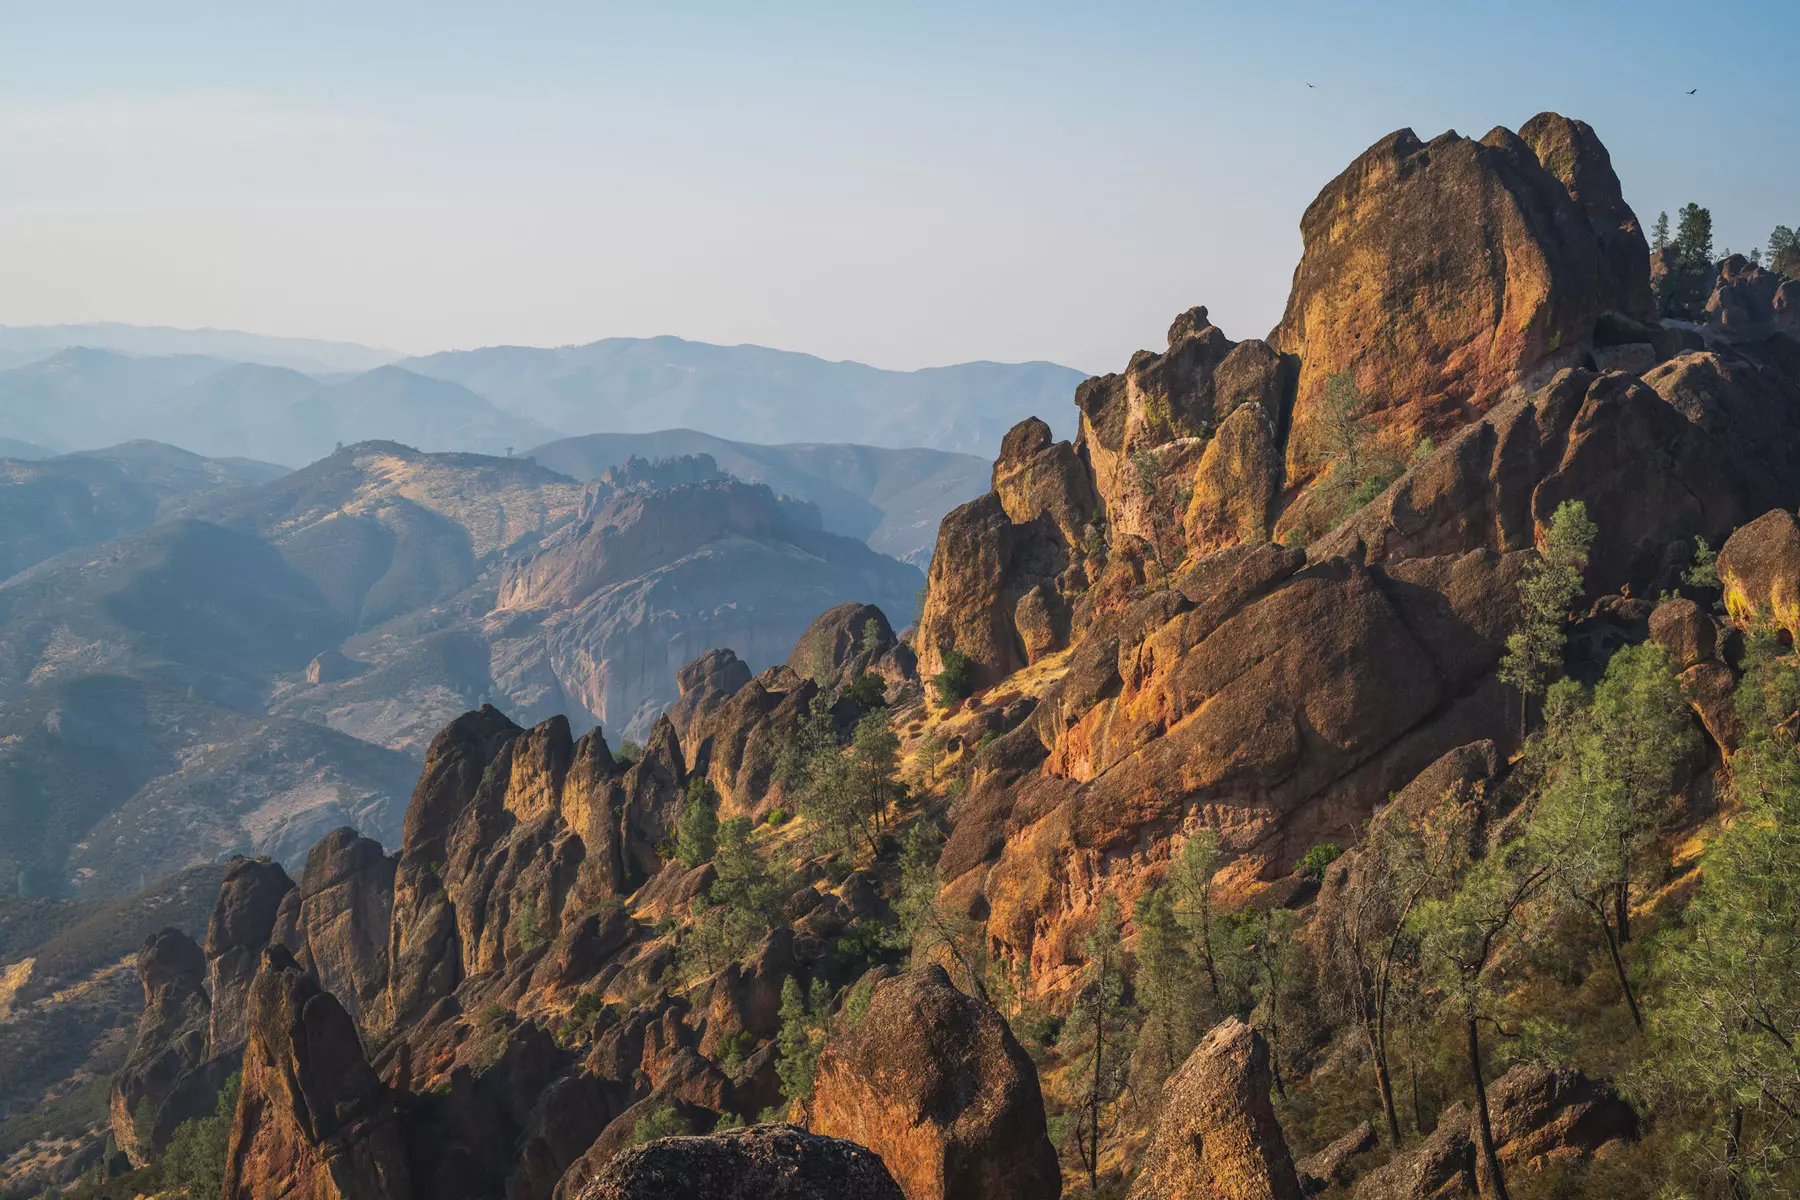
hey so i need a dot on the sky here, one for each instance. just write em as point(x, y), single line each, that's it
point(901, 184)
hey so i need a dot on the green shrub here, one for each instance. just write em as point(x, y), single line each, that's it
point(957, 680)
point(195, 1161)
point(1312, 865)
point(659, 1123)
point(869, 690)
point(778, 816)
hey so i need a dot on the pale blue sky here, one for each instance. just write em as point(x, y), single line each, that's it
point(904, 184)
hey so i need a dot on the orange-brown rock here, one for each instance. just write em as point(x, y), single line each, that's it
point(242, 920)
point(1236, 485)
point(1684, 632)
point(161, 1083)
point(312, 1119)
point(848, 641)
point(763, 1162)
point(933, 1082)
point(1760, 568)
point(346, 902)
point(1217, 1135)
point(1540, 1115)
point(1521, 263)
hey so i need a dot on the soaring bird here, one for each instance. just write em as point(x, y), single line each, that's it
point(1691, 91)
point(1309, 85)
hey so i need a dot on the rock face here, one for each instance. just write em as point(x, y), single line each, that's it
point(763, 1162)
point(1540, 1115)
point(1503, 311)
point(346, 899)
point(1217, 1134)
point(1749, 301)
point(312, 1118)
point(164, 1082)
point(933, 1082)
point(1760, 568)
point(243, 919)
point(681, 569)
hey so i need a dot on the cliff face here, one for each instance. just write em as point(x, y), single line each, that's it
point(606, 616)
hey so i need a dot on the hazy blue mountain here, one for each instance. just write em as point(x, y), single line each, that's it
point(29, 451)
point(749, 393)
point(891, 499)
point(82, 398)
point(23, 344)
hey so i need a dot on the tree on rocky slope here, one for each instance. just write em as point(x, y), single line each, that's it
point(1550, 586)
point(1401, 864)
point(1096, 1040)
point(1784, 251)
point(1731, 1029)
point(1617, 759)
point(1465, 937)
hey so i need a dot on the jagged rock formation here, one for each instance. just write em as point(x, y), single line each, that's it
point(933, 1082)
point(1540, 1115)
point(1558, 248)
point(1750, 301)
point(1217, 1134)
point(312, 1118)
point(763, 1162)
point(1328, 1167)
point(243, 919)
point(715, 563)
point(164, 1082)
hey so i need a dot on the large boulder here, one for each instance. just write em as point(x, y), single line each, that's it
point(164, 1080)
point(1216, 1135)
point(243, 918)
point(763, 1162)
point(1760, 568)
point(1540, 1115)
point(1521, 262)
point(933, 1081)
point(312, 1119)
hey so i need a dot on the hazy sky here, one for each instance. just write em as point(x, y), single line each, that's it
point(904, 184)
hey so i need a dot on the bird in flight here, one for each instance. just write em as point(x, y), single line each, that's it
point(1691, 91)
point(1309, 85)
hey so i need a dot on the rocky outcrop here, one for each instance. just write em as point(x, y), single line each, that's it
point(1523, 261)
point(1009, 558)
point(1216, 1134)
point(243, 919)
point(312, 1117)
point(1237, 484)
point(851, 640)
point(1750, 302)
point(933, 1082)
point(1760, 568)
point(1329, 1167)
point(1540, 1115)
point(164, 1081)
point(346, 901)
point(763, 1162)
point(680, 569)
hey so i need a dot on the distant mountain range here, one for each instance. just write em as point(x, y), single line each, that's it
point(28, 343)
point(291, 401)
point(749, 393)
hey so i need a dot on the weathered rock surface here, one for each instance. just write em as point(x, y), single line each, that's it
point(1539, 1115)
point(763, 1162)
point(243, 919)
point(1760, 568)
point(933, 1082)
point(681, 569)
point(1328, 1167)
point(346, 901)
point(1217, 1134)
point(312, 1118)
point(1506, 307)
point(163, 1081)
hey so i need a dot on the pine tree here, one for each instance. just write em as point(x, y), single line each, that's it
point(1659, 237)
point(1096, 1040)
point(697, 829)
point(1551, 585)
point(1694, 237)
